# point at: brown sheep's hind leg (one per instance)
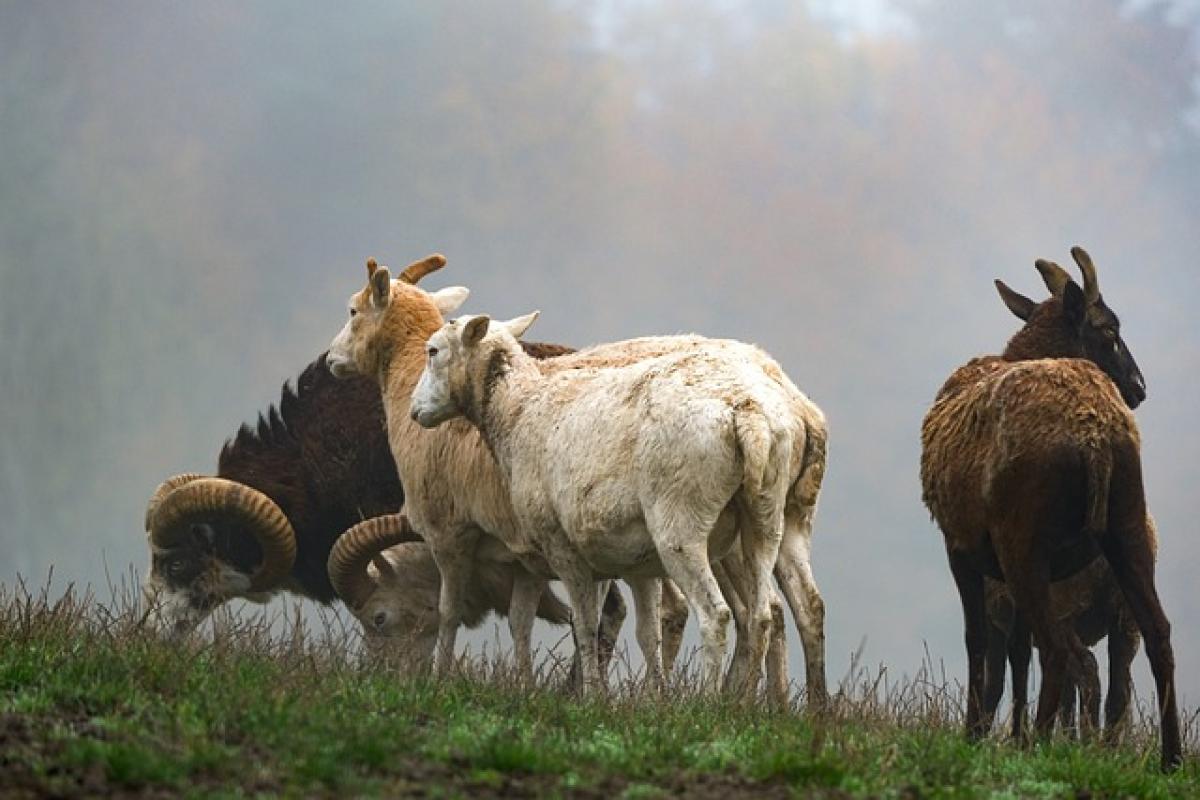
(1132, 562)
(993, 674)
(1028, 579)
(1020, 652)
(1122, 647)
(970, 591)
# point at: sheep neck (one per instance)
(402, 339)
(1045, 335)
(506, 377)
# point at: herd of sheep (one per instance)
(427, 472)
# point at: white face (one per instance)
(339, 360)
(433, 399)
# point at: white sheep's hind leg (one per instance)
(682, 545)
(647, 604)
(794, 573)
(761, 533)
(522, 609)
(777, 656)
(730, 573)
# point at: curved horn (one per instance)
(164, 489)
(1056, 277)
(248, 507)
(355, 548)
(1091, 285)
(419, 269)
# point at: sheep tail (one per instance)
(812, 470)
(1098, 465)
(756, 441)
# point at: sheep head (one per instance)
(389, 581)
(462, 360)
(381, 309)
(1074, 322)
(185, 519)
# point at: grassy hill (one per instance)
(92, 704)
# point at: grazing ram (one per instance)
(1031, 463)
(638, 471)
(391, 585)
(284, 491)
(385, 337)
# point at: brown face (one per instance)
(1103, 345)
(1081, 324)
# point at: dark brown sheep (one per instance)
(1031, 464)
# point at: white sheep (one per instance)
(637, 471)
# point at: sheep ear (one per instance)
(449, 299)
(475, 329)
(1017, 303)
(518, 325)
(381, 287)
(1074, 305)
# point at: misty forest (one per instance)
(188, 193)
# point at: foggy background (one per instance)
(188, 193)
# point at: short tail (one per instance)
(1098, 465)
(756, 441)
(812, 468)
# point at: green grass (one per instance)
(90, 703)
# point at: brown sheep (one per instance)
(1031, 463)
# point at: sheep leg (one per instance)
(778, 692)
(1132, 561)
(685, 558)
(1089, 696)
(647, 604)
(970, 593)
(674, 620)
(993, 673)
(581, 587)
(522, 609)
(730, 573)
(793, 571)
(454, 563)
(612, 617)
(1020, 653)
(761, 539)
(1122, 647)
(1067, 702)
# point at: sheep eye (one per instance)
(433, 351)
(353, 311)
(380, 618)
(175, 567)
